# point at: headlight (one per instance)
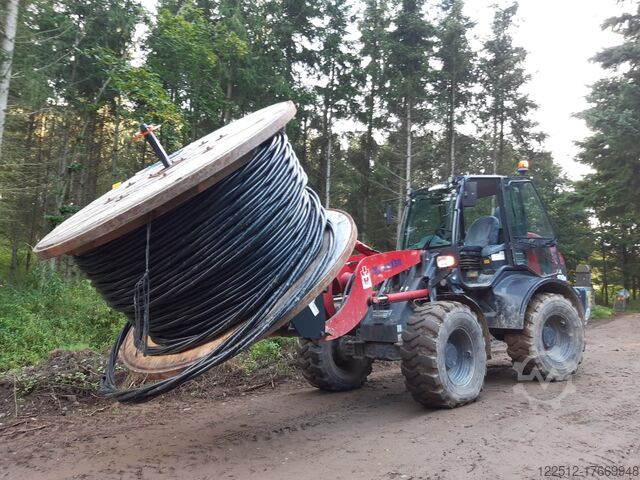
(445, 261)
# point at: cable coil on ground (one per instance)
(220, 261)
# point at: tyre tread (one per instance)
(521, 345)
(311, 363)
(419, 354)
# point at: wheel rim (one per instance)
(458, 357)
(556, 338)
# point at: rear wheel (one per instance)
(552, 340)
(443, 355)
(325, 366)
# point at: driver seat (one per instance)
(483, 232)
(480, 241)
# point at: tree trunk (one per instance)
(8, 43)
(194, 123)
(452, 125)
(304, 151)
(494, 146)
(13, 266)
(407, 171)
(61, 179)
(62, 166)
(327, 176)
(328, 118)
(36, 191)
(143, 156)
(370, 102)
(116, 142)
(501, 144)
(605, 282)
(227, 110)
(625, 268)
(409, 152)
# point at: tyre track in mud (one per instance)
(377, 432)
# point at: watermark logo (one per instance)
(541, 390)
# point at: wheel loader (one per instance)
(477, 260)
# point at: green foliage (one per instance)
(277, 351)
(410, 46)
(49, 312)
(457, 76)
(599, 312)
(612, 191)
(633, 306)
(182, 56)
(505, 107)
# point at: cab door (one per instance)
(532, 239)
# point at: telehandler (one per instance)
(477, 259)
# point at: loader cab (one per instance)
(489, 222)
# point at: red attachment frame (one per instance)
(370, 270)
(400, 296)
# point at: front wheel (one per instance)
(325, 366)
(444, 361)
(552, 340)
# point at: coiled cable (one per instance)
(222, 260)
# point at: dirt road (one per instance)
(295, 432)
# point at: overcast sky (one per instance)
(560, 36)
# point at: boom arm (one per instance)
(370, 271)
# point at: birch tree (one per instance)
(6, 60)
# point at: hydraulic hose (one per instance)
(220, 261)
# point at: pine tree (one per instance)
(374, 41)
(337, 65)
(613, 151)
(457, 73)
(409, 75)
(505, 108)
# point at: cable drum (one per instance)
(220, 262)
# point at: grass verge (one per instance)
(45, 313)
(599, 312)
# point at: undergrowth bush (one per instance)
(633, 306)
(598, 311)
(276, 351)
(46, 312)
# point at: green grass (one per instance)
(46, 312)
(633, 306)
(276, 351)
(5, 260)
(598, 311)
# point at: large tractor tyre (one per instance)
(444, 361)
(552, 340)
(325, 366)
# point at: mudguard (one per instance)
(514, 290)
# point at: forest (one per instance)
(390, 94)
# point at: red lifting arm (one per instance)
(371, 271)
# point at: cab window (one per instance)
(526, 215)
(486, 204)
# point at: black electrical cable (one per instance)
(223, 259)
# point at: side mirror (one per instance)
(470, 194)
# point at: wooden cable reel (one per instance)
(156, 190)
